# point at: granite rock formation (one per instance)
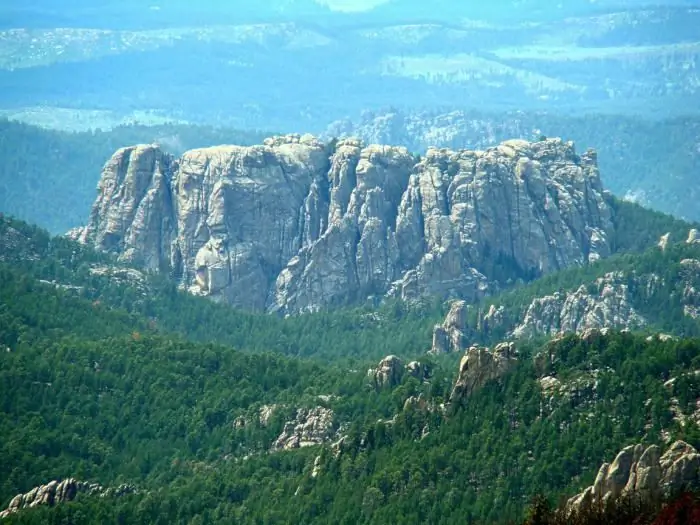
(312, 426)
(607, 305)
(646, 472)
(56, 492)
(297, 225)
(390, 371)
(609, 302)
(480, 365)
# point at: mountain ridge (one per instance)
(301, 224)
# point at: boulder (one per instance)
(481, 365)
(389, 372)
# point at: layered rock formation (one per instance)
(641, 471)
(56, 492)
(297, 225)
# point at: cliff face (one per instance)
(670, 147)
(295, 224)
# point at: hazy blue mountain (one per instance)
(221, 67)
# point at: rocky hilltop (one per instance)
(56, 492)
(297, 224)
(644, 472)
(616, 300)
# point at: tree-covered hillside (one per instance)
(96, 385)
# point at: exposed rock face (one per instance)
(310, 427)
(389, 372)
(646, 472)
(607, 306)
(296, 225)
(450, 336)
(480, 365)
(56, 492)
(693, 237)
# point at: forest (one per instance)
(103, 382)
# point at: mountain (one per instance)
(161, 428)
(625, 61)
(108, 14)
(299, 225)
(650, 161)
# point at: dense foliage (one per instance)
(345, 334)
(91, 390)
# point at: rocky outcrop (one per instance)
(296, 225)
(641, 471)
(388, 373)
(693, 237)
(450, 335)
(480, 365)
(122, 276)
(607, 305)
(310, 427)
(418, 370)
(265, 414)
(56, 492)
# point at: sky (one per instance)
(351, 5)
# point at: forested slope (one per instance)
(91, 390)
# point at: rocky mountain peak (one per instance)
(296, 224)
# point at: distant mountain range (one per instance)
(259, 74)
(135, 14)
